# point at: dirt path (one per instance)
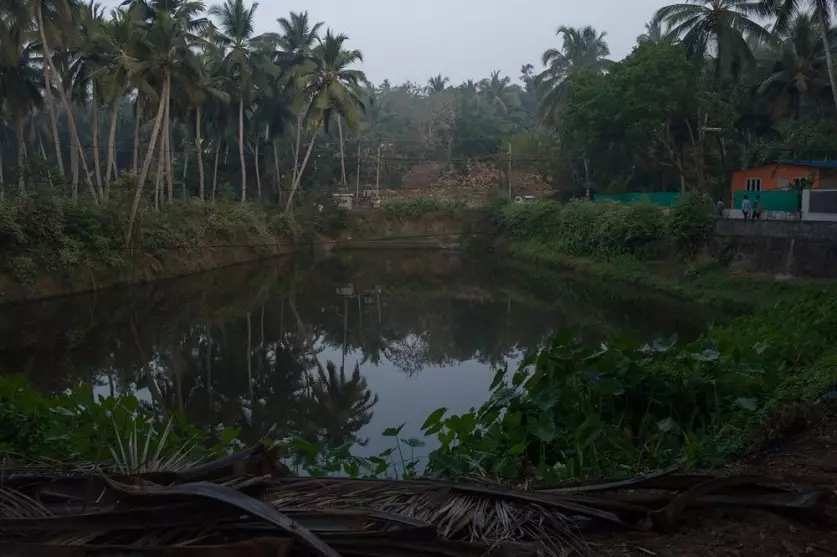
(750, 533)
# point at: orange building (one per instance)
(783, 176)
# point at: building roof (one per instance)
(817, 164)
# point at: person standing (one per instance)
(758, 208)
(746, 208)
(719, 209)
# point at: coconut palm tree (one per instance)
(436, 84)
(798, 64)
(718, 28)
(497, 91)
(821, 16)
(581, 49)
(57, 27)
(166, 40)
(297, 38)
(243, 61)
(199, 86)
(335, 89)
(656, 31)
(20, 79)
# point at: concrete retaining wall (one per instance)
(803, 249)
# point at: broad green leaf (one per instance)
(588, 431)
(433, 418)
(750, 404)
(517, 449)
(392, 431)
(545, 429)
(413, 442)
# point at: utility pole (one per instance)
(509, 170)
(378, 172)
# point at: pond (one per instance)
(337, 349)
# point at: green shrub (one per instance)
(690, 223)
(608, 230)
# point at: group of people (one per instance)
(750, 210)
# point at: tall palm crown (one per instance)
(581, 49)
(656, 31)
(436, 84)
(821, 17)
(334, 87)
(798, 64)
(239, 40)
(496, 90)
(716, 27)
(298, 36)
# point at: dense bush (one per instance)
(43, 233)
(639, 229)
(577, 411)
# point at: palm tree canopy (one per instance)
(436, 84)
(332, 84)
(718, 28)
(581, 49)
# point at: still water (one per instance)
(337, 349)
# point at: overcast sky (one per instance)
(461, 39)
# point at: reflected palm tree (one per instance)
(338, 406)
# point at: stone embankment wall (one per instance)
(801, 249)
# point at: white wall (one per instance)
(806, 209)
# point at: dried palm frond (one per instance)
(459, 511)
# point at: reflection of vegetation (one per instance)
(236, 346)
(624, 407)
(338, 407)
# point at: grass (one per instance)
(703, 281)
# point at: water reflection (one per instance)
(336, 349)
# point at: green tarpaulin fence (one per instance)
(778, 200)
(663, 199)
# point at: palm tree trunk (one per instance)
(276, 169)
(21, 151)
(135, 161)
(158, 178)
(185, 173)
(112, 148)
(215, 171)
(97, 163)
(829, 59)
(169, 174)
(44, 155)
(258, 174)
(296, 148)
(147, 162)
(198, 148)
(53, 119)
(71, 120)
(301, 169)
(249, 360)
(74, 168)
(241, 149)
(342, 153)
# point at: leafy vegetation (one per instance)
(607, 230)
(80, 426)
(226, 112)
(578, 411)
(47, 234)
